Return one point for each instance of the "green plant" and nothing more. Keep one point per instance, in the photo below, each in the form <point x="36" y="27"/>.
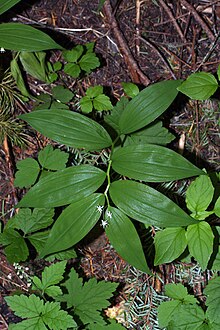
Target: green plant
<point x="184" y="311"/>
<point x="95" y="99"/>
<point x="51" y="304"/>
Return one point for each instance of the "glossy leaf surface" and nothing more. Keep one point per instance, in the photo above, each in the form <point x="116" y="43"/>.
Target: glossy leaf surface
<point x="148" y="105"/>
<point x="152" y="163"/>
<point x="64" y="187"/>
<point x="200" y="242"/>
<point x="22" y="37"/>
<point x="69" y="128"/>
<point x="124" y="238"/>
<point x="73" y="224"/>
<point x="147" y="205"/>
<point x="7" y="4"/>
<point x="169" y="244"/>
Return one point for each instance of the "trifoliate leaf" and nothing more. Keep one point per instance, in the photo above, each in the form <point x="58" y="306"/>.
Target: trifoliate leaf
<point x="30" y="221"/>
<point x="26" y="307"/>
<point x="88" y="299"/>
<point x="74" y="54"/>
<point x="62" y="94"/>
<point x="169" y="244"/>
<point x="16" y="249"/>
<point x="179" y="292"/>
<point x="199" y="194"/>
<point x="200" y="242"/>
<point x="213" y="300"/>
<point x="72" y="69"/>
<point x="38" y="239"/>
<point x="199" y="86"/>
<point x="102" y="102"/>
<point x="166" y="311"/>
<point x="130" y="89"/>
<point x="28" y="170"/>
<point x="89" y="61"/>
<point x="55" y="318"/>
<point x="52" y="159"/>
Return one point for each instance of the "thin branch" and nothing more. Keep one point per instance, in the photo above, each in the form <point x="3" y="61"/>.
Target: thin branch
<point x="199" y="19"/>
<point x="136" y="74"/>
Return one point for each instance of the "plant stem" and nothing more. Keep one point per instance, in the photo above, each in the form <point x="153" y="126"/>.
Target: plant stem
<point x="109" y="182"/>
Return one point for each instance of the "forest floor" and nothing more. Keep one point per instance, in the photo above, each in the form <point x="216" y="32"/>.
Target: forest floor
<point x="141" y="42"/>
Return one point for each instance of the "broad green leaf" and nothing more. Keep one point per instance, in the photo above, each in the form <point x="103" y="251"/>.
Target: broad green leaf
<point x="69" y="128"/>
<point x="22" y="37"/>
<point x="62" y="94"/>
<point x="148" y="105"/>
<point x="216" y="263"/>
<point x="152" y="163"/>
<point x="35" y="323"/>
<point x="94" y="91"/>
<point x="52" y="159"/>
<point x="24" y="306"/>
<point x="28" y="171"/>
<point x="124" y="238"/>
<point x="89" y="61"/>
<point x="64" y="187"/>
<point x="147" y="205"/>
<point x="56" y="318"/>
<point x="86" y="104"/>
<point x="130" y="89"/>
<point x="200" y="242"/>
<point x="38" y="239"/>
<point x="63" y="255"/>
<point x="16" y="249"/>
<point x="190" y="317"/>
<point x="112" y="326"/>
<point x="169" y="244"/>
<point x="17" y="75"/>
<point x="102" y="102"/>
<point x="212" y="291"/>
<point x="199" y="86"/>
<point x="199" y="194"/>
<point x="74" y="54"/>
<point x="34" y="64"/>
<point x="7" y="4"/>
<point x="113" y="118"/>
<point x="89" y="299"/>
<point x="217" y="207"/>
<point x="30" y="221"/>
<point x="73" y="224"/>
<point x="153" y="134"/>
<point x="179" y="292"/>
<point x="166" y="310"/>
<point x="72" y="69"/>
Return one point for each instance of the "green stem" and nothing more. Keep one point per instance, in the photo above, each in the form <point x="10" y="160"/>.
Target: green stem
<point x="109" y="182"/>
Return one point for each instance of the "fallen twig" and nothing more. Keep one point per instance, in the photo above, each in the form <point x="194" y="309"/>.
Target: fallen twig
<point x="135" y="72"/>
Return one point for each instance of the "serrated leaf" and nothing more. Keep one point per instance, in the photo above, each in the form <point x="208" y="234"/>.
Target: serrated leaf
<point x="55" y="318"/>
<point x="30" y="221"/>
<point x="53" y="291"/>
<point x="190" y="317"/>
<point x="148" y="105"/>
<point x="16" y="249"/>
<point x="199" y="86"/>
<point x="23" y="37"/>
<point x="69" y="128"/>
<point x="199" y="194"/>
<point x="130" y="89"/>
<point x="89" y="61"/>
<point x="166" y="310"/>
<point x="63" y="255"/>
<point x="28" y="171"/>
<point x="64" y="187"/>
<point x="68" y="229"/>
<point x="25" y="307"/>
<point x="53" y="274"/>
<point x="94" y="91"/>
<point x="152" y="163"/>
<point x="112" y="326"/>
<point x="143" y="203"/>
<point x="217" y="207"/>
<point x="212" y="291"/>
<point x="62" y="94"/>
<point x="200" y="242"/>
<point x="102" y="102"/>
<point x="72" y="69"/>
<point x="124" y="238"/>
<point x="179" y="292"/>
<point x="113" y="118"/>
<point x="216" y="263"/>
<point x="88" y="300"/>
<point x="169" y="244"/>
<point x="38" y="239"/>
<point x="52" y="159"/>
<point x="152" y="134"/>
<point x="35" y="323"/>
<point x="86" y="104"/>
<point x="7" y="4"/>
<point x="17" y="75"/>
<point x="74" y="54"/>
